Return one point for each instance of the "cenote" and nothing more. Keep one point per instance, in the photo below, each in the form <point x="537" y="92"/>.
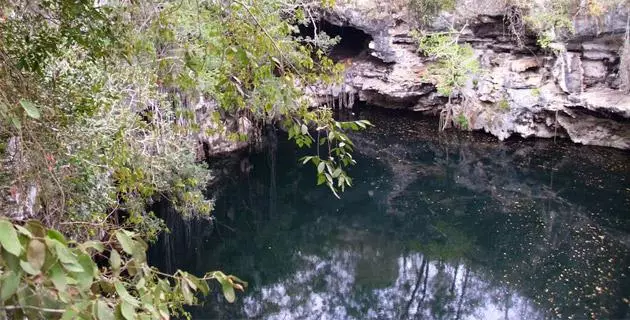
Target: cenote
<point x="437" y="226"/>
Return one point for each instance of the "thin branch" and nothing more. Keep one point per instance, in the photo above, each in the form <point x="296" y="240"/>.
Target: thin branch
<point x="49" y="310"/>
<point x="273" y="41"/>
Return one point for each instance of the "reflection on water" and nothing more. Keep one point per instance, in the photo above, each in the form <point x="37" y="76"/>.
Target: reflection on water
<point x="437" y="226"/>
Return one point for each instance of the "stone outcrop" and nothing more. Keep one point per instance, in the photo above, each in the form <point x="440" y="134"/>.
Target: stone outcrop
<point x="219" y="132"/>
<point x="571" y="91"/>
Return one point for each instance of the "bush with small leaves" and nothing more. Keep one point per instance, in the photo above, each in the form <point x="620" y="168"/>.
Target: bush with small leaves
<point x="455" y="63"/>
<point x="101" y="112"/>
<point x="45" y="276"/>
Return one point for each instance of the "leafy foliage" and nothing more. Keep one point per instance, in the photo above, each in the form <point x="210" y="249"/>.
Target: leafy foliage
<point x="462" y="121"/>
<point x="110" y="121"/>
<point x="455" y="62"/>
<point x="504" y="104"/>
<point x="332" y="135"/>
<point x="424" y="11"/>
<point x="102" y="108"/>
<point x="43" y="275"/>
<point x="550" y="20"/>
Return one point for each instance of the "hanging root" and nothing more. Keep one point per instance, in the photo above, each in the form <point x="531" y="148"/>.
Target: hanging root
<point x="514" y="21"/>
<point x="446" y="117"/>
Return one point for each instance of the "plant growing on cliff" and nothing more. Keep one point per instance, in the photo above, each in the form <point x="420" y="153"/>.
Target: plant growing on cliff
<point x="462" y="121"/>
<point x="424" y="11"/>
<point x="550" y="20"/>
<point x="455" y="63"/>
<point x="504" y="104"/>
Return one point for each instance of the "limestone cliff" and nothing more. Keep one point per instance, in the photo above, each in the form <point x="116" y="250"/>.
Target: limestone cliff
<point x="571" y="91"/>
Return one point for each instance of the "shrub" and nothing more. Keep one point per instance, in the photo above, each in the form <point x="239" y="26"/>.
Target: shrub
<point x="504" y="104"/>
<point x="462" y="121"/>
<point x="99" y="111"/>
<point x="424" y="11"/>
<point x="43" y="275"/>
<point x="455" y="62"/>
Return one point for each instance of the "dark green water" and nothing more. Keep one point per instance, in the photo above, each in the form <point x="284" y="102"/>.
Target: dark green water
<point x="437" y="226"/>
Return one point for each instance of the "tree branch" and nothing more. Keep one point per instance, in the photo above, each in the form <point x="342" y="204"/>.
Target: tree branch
<point x="49" y="310"/>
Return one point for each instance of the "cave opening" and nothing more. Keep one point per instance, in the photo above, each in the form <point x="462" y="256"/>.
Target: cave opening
<point x="353" y="42"/>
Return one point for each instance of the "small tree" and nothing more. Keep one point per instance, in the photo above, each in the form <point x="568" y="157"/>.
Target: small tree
<point x="455" y="62"/>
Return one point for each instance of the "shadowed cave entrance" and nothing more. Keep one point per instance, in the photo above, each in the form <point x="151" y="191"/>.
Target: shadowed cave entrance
<point x="353" y="42"/>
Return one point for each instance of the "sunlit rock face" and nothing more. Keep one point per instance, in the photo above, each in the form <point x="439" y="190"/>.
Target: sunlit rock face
<point x="521" y="90"/>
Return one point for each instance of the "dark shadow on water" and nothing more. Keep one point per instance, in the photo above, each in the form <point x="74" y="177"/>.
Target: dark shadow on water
<point x="437" y="226"/>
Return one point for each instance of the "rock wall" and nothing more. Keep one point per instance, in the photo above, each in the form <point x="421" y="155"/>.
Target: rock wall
<point x="571" y="91"/>
<point x="219" y="132"/>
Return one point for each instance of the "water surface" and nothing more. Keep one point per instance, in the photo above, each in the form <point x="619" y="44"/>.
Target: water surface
<point x="437" y="226"/>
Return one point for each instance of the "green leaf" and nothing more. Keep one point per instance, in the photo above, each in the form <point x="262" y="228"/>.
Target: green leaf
<point x="70" y="314"/>
<point x="188" y="296"/>
<point x="127" y="310"/>
<point x="30" y="108"/>
<point x="23" y="231"/>
<point x="304" y="129"/>
<point x="73" y="267"/>
<point x="36" y="228"/>
<point x="64" y="296"/>
<point x="98" y="246"/>
<point x="102" y="311"/>
<point x="125" y="241"/>
<point x="228" y="291"/>
<point x="329" y="178"/>
<point x="321" y="166"/>
<point x="86" y="277"/>
<point x="16" y="123"/>
<point x="203" y="287"/>
<point x="321" y="179"/>
<point x="36" y="254"/>
<point x="88" y="265"/>
<point x="190" y="280"/>
<point x="139" y="251"/>
<point x="65" y="255"/>
<point x="56" y="235"/>
<point x="28" y="268"/>
<point x="123" y="294"/>
<point x="9" y="239"/>
<point x="10" y="283"/>
<point x="9" y="260"/>
<point x="115" y="261"/>
<point x="107" y="286"/>
<point x="58" y="277"/>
